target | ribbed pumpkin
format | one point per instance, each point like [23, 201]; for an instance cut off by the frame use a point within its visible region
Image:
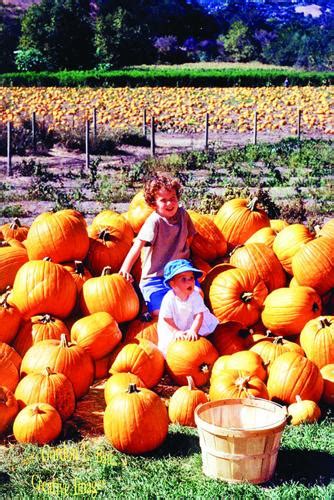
[47, 387]
[61, 236]
[101, 367]
[10, 319]
[119, 383]
[14, 230]
[230, 337]
[208, 242]
[327, 229]
[271, 347]
[278, 224]
[291, 375]
[106, 249]
[139, 329]
[37, 424]
[288, 241]
[6, 351]
[118, 227]
[239, 218]
[303, 411]
[37, 328]
[247, 361]
[9, 375]
[327, 373]
[8, 408]
[11, 259]
[191, 358]
[183, 402]
[260, 259]
[79, 273]
[142, 358]
[287, 310]
[219, 366]
[265, 235]
[98, 334]
[42, 287]
[202, 265]
[313, 264]
[110, 293]
[136, 421]
[237, 295]
[138, 211]
[317, 340]
[234, 384]
[61, 357]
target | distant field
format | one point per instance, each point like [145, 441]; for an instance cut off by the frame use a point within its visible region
[218, 65]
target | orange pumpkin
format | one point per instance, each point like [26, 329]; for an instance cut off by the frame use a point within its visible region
[317, 340]
[183, 402]
[10, 319]
[14, 230]
[47, 387]
[208, 242]
[303, 411]
[106, 249]
[278, 224]
[230, 337]
[239, 218]
[8, 408]
[234, 384]
[9, 375]
[266, 235]
[327, 373]
[292, 374]
[98, 334]
[287, 310]
[288, 241]
[37, 424]
[271, 347]
[6, 351]
[249, 361]
[136, 421]
[191, 358]
[61, 236]
[119, 383]
[118, 227]
[11, 259]
[313, 264]
[138, 211]
[327, 229]
[139, 329]
[219, 366]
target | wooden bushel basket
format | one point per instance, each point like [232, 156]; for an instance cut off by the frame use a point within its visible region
[240, 438]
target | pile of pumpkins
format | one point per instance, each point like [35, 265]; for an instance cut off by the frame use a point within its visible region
[68, 318]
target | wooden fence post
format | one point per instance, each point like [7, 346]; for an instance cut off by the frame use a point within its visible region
[206, 140]
[299, 119]
[152, 136]
[94, 125]
[144, 124]
[33, 131]
[87, 145]
[9, 170]
[255, 129]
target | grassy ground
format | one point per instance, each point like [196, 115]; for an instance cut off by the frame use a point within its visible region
[93, 468]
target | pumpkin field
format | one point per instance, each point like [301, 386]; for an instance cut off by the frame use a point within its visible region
[88, 404]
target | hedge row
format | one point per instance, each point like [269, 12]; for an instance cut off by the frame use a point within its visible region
[171, 77]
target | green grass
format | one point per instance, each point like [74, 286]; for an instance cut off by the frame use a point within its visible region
[304, 469]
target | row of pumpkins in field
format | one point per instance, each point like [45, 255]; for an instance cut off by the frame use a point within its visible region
[67, 318]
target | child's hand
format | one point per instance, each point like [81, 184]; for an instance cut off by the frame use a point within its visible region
[126, 275]
[180, 335]
[191, 335]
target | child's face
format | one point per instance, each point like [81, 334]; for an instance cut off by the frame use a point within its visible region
[166, 203]
[183, 284]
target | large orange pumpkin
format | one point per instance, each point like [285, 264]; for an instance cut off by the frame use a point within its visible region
[313, 264]
[110, 293]
[7, 351]
[249, 361]
[287, 310]
[43, 287]
[107, 247]
[11, 259]
[292, 374]
[61, 236]
[260, 259]
[237, 295]
[208, 242]
[234, 384]
[327, 229]
[183, 402]
[118, 227]
[37, 424]
[191, 358]
[9, 375]
[139, 329]
[271, 347]
[266, 235]
[239, 218]
[288, 241]
[47, 387]
[62, 357]
[10, 319]
[119, 383]
[230, 337]
[317, 340]
[138, 211]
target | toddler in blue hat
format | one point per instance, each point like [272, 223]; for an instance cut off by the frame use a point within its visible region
[183, 314]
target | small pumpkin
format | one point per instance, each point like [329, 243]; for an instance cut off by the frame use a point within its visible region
[37, 424]
[136, 421]
[183, 402]
[303, 411]
[14, 230]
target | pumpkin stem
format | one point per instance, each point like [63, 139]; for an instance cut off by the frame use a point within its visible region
[244, 333]
[48, 371]
[315, 307]
[105, 235]
[234, 250]
[63, 340]
[4, 244]
[4, 300]
[323, 322]
[132, 388]
[106, 271]
[246, 296]
[242, 382]
[278, 340]
[191, 384]
[47, 259]
[204, 368]
[298, 398]
[47, 318]
[252, 204]
[37, 410]
[79, 267]
[15, 224]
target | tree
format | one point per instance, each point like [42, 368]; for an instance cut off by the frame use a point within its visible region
[238, 43]
[9, 38]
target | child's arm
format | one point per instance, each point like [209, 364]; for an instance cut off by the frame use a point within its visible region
[130, 259]
[179, 334]
[192, 333]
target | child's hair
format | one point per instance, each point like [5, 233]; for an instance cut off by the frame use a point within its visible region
[158, 182]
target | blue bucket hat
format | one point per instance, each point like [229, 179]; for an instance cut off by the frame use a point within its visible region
[179, 266]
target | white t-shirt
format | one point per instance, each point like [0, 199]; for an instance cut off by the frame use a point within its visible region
[182, 312]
